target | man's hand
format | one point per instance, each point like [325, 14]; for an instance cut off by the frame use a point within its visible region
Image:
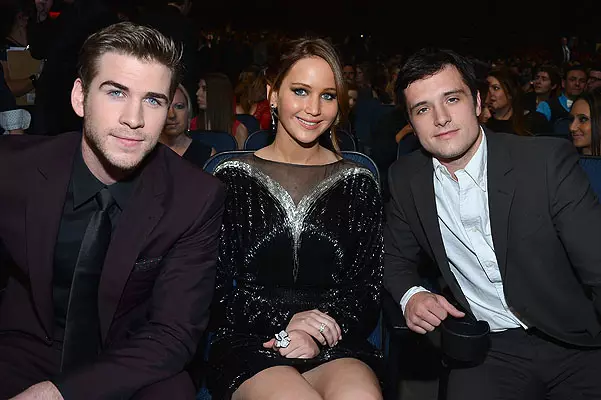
[425, 311]
[40, 391]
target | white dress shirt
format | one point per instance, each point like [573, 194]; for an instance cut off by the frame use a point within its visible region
[464, 221]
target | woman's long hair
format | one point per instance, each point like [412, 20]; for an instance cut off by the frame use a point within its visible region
[593, 99]
[219, 114]
[250, 88]
[510, 85]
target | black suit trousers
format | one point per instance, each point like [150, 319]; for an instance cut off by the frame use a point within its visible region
[527, 365]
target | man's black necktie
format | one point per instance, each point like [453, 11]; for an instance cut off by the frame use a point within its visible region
[82, 329]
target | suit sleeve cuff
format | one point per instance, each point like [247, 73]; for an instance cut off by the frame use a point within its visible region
[408, 294]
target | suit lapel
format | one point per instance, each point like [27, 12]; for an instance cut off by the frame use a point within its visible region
[137, 220]
[501, 188]
[49, 183]
[422, 187]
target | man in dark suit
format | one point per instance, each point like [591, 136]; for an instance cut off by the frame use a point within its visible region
[514, 229]
[111, 240]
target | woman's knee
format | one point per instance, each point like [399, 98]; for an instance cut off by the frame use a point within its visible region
[276, 383]
[345, 379]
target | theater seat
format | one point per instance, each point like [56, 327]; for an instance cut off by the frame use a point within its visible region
[592, 166]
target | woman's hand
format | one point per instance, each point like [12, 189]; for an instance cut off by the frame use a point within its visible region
[301, 345]
[319, 325]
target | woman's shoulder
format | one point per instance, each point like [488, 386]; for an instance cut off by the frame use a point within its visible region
[241, 162]
[355, 169]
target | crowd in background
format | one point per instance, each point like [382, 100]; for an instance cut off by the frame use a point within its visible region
[529, 93]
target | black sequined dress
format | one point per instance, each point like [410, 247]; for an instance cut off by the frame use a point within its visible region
[294, 238]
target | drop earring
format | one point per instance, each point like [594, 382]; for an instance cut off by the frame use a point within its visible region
[273, 111]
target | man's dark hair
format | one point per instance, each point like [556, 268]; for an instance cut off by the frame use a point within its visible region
[129, 39]
[428, 62]
[595, 67]
[574, 68]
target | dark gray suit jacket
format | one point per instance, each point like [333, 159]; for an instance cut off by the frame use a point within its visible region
[546, 228]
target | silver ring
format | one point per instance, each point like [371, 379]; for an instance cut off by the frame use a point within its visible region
[322, 327]
[282, 340]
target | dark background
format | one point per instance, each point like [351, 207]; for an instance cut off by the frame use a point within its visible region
[485, 28]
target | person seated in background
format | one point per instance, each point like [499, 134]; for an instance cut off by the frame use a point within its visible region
[348, 71]
[175, 133]
[573, 84]
[302, 241]
[215, 98]
[546, 85]
[505, 103]
[594, 77]
[251, 97]
[586, 126]
[12, 120]
[14, 17]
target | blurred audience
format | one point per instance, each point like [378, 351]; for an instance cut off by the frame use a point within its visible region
[216, 105]
[175, 133]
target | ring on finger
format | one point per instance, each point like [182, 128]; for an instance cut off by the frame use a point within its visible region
[322, 327]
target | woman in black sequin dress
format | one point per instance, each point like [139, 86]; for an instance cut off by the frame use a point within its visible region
[301, 251]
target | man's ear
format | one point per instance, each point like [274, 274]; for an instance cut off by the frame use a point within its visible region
[478, 104]
[78, 97]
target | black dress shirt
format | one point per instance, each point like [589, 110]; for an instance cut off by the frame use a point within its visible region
[77, 211]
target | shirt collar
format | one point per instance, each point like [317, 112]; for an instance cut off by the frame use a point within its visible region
[86, 185]
[475, 168]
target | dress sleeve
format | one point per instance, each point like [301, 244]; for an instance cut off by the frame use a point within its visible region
[228, 244]
[355, 303]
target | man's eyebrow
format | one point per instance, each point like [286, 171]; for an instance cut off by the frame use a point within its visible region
[455, 91]
[157, 95]
[126, 89]
[450, 92]
[114, 84]
[421, 103]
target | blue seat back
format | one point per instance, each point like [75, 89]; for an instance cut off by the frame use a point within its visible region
[346, 142]
[220, 141]
[258, 140]
[408, 144]
[249, 121]
[592, 167]
[561, 128]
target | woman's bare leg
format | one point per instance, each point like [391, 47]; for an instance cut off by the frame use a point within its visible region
[276, 383]
[345, 378]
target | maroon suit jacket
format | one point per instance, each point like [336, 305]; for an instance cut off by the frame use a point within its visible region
[158, 276]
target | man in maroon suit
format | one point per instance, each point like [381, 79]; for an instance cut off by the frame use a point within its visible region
[109, 239]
